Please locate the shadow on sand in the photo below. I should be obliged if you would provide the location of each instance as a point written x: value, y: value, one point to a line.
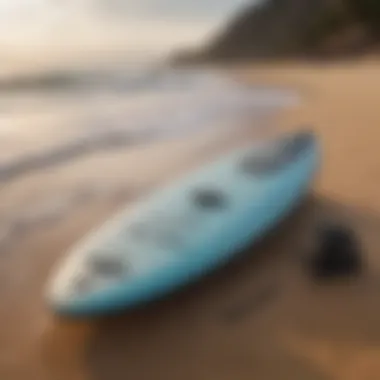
x: 259, y: 317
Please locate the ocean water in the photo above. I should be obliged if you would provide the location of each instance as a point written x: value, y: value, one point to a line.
x: 54, y: 109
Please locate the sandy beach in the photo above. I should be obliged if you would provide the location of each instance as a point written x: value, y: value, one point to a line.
x: 259, y: 318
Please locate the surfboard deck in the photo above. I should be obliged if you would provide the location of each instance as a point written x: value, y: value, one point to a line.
x: 187, y: 229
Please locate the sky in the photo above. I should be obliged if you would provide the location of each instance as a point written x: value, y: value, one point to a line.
x: 62, y: 28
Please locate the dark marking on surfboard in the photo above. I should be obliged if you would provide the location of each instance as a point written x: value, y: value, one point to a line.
x: 209, y: 199
x: 298, y: 144
x: 235, y: 313
x: 108, y: 266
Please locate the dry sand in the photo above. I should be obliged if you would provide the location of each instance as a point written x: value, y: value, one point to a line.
x: 260, y: 318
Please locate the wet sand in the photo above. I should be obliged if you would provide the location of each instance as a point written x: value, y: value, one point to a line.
x: 260, y: 317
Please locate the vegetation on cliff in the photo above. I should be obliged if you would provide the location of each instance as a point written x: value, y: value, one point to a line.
x: 286, y: 28
x: 368, y: 12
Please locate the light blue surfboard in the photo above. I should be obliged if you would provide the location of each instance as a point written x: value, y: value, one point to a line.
x: 186, y: 229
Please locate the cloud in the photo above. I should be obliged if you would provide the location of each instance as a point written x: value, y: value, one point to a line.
x: 174, y: 9
x: 62, y: 28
